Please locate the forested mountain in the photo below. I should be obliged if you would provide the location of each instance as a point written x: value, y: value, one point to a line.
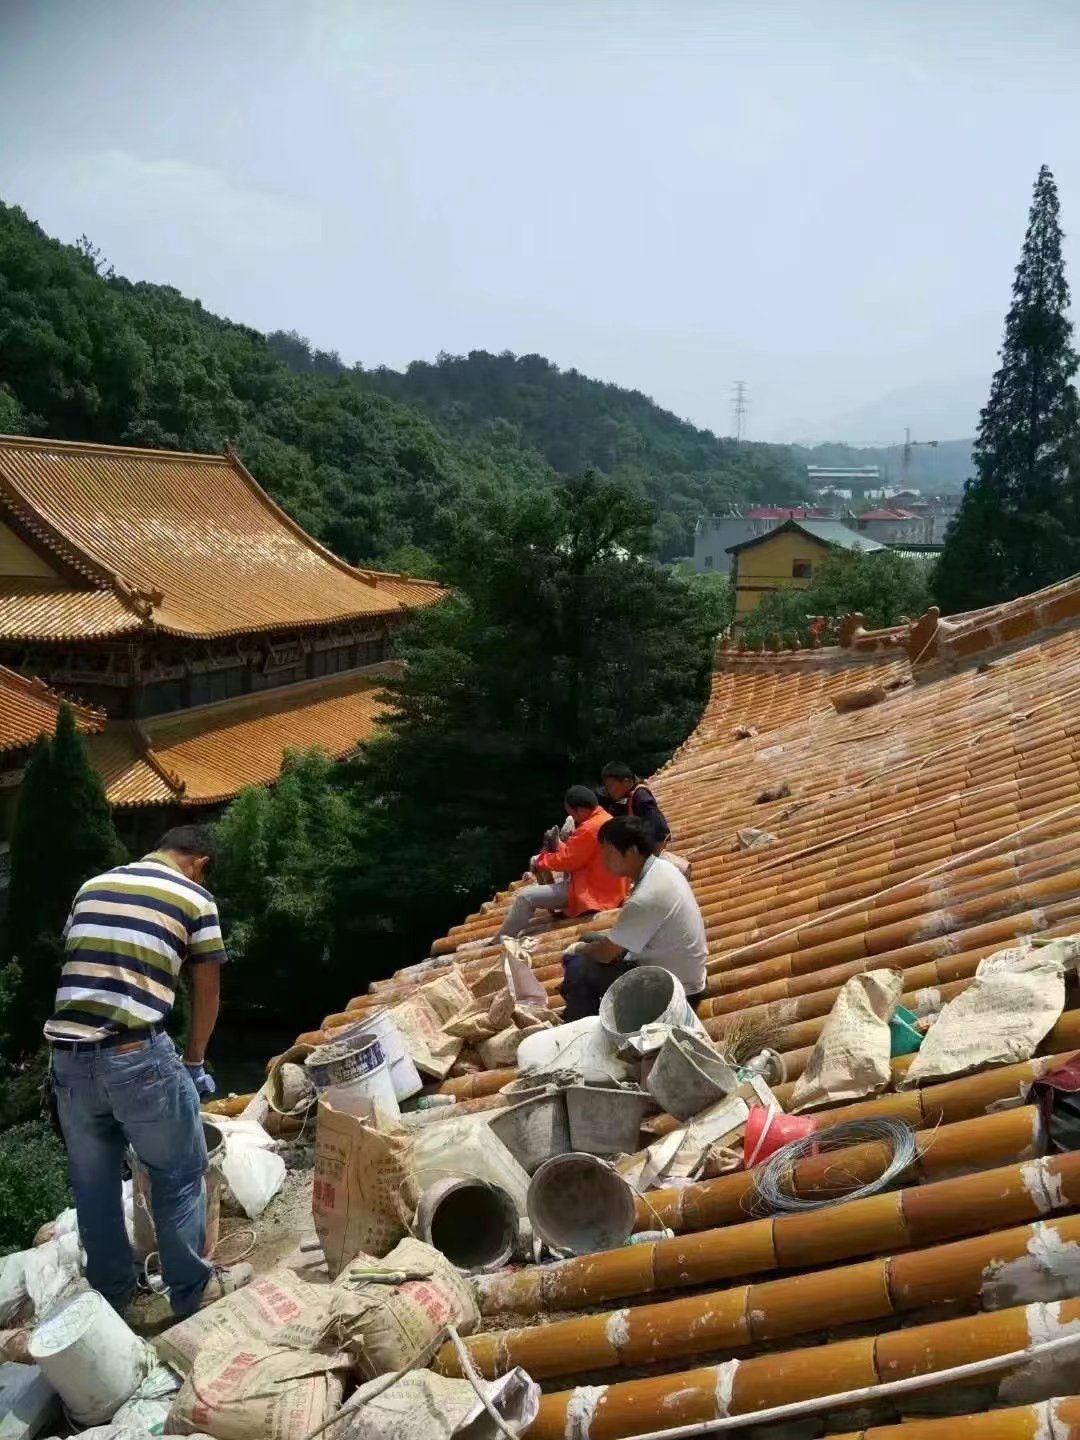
x: 86, y: 355
x: 577, y: 423
x: 365, y: 460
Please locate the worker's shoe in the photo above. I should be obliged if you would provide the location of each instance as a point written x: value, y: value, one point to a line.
x: 226, y: 1282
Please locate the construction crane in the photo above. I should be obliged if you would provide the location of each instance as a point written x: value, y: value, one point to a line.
x: 905, y: 460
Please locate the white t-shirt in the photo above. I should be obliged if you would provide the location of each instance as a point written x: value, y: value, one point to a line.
x: 661, y: 924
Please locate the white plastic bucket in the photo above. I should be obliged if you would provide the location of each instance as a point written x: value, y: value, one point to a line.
x: 403, y: 1072
x: 90, y: 1357
x: 344, y: 1060
x: 376, y: 1085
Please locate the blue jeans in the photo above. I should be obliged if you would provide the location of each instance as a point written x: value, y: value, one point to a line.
x: 586, y: 982
x: 143, y: 1097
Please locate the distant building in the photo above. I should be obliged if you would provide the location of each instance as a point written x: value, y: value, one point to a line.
x: 895, y: 525
x: 715, y: 535
x: 853, y: 482
x: 786, y: 559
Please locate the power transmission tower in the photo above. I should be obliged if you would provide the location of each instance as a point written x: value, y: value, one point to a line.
x: 739, y: 407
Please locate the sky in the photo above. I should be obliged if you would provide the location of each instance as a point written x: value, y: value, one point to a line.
x: 823, y: 199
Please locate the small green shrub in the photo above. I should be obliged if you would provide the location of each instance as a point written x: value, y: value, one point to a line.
x: 33, y: 1182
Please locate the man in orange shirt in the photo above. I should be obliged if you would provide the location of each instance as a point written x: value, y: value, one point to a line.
x: 588, y: 887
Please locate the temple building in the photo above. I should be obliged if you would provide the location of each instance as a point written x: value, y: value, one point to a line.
x: 197, y: 629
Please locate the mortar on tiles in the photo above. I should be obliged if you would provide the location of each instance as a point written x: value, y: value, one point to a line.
x: 1049, y: 1271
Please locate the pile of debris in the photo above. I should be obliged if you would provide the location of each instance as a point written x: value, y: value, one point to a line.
x: 428, y: 1213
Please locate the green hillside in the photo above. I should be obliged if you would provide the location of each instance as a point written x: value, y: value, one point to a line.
x: 368, y: 461
x: 576, y: 423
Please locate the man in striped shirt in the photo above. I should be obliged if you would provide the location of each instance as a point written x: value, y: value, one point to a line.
x: 117, y: 1076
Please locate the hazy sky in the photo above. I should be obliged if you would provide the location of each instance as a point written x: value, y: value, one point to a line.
x: 823, y: 198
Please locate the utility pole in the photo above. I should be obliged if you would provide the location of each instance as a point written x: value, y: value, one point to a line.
x: 739, y: 407
x: 905, y: 459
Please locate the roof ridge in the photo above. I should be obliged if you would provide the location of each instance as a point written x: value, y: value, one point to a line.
x: 55, y: 539
x: 45, y: 443
x: 34, y: 685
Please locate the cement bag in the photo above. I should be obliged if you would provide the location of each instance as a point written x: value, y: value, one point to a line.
x: 1002, y: 1017
x: 851, y: 1057
x: 482, y: 1018
x: 364, y: 1195
x: 279, y: 1309
x: 13, y: 1292
x: 385, y: 1327
x: 421, y: 1018
x: 426, y: 1406
x: 465, y: 1145
x: 255, y: 1392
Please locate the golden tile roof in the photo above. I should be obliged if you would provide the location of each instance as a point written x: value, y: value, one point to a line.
x: 921, y: 832
x: 28, y: 708
x: 206, y: 755
x: 181, y: 543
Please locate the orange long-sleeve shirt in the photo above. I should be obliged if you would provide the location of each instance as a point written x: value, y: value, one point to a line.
x: 592, y: 887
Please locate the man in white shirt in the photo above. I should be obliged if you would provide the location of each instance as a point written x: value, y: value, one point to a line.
x: 659, y: 924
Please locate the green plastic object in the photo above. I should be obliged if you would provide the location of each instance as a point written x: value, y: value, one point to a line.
x: 905, y: 1038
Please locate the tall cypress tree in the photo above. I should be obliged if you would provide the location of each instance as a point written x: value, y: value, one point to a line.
x: 1019, y: 523
x: 63, y: 835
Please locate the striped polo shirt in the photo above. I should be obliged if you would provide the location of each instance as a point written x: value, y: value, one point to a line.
x: 129, y: 932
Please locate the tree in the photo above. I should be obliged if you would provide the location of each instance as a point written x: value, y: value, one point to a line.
x: 561, y: 648
x: 1018, y: 527
x: 63, y: 835
x: 280, y: 850
x: 881, y: 585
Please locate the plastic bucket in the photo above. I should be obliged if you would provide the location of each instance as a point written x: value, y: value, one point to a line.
x: 646, y: 995
x: 606, y: 1121
x: 769, y: 1130
x: 377, y: 1086
x: 143, y: 1219
x: 90, y: 1357
x: 403, y: 1072
x: 689, y: 1075
x: 343, y: 1061
x: 535, y: 1130
x: 580, y: 1204
x: 474, y: 1224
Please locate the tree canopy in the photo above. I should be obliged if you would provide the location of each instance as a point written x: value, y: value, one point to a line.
x: 63, y: 835
x: 881, y: 585
x: 1019, y: 523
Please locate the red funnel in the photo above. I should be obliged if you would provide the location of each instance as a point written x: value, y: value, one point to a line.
x: 768, y: 1130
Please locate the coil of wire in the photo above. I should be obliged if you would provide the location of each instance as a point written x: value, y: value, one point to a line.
x: 775, y: 1181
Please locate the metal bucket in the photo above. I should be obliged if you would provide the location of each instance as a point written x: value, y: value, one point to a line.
x: 606, y: 1121
x: 580, y: 1205
x: 535, y: 1130
x: 646, y: 995
x: 689, y: 1075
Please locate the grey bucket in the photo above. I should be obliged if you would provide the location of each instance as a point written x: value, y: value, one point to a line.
x: 472, y: 1223
x: 689, y: 1075
x: 535, y: 1130
x: 606, y: 1121
x: 580, y: 1204
x: 646, y: 995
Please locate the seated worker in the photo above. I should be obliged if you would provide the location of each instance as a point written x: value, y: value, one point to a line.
x: 626, y: 795
x: 660, y: 924
x: 589, y: 884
